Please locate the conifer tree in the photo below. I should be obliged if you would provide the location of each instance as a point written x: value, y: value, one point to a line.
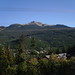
x: 21, y: 57
x: 32, y: 43
x: 3, y: 61
x: 10, y: 57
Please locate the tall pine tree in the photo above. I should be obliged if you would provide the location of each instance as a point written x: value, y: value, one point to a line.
x: 21, y: 57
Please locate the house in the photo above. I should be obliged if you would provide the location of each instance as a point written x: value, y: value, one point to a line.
x: 47, y: 56
x: 62, y: 55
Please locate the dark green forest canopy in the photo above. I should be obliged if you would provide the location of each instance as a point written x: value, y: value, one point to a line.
x: 58, y: 36
x: 19, y: 49
x: 22, y: 64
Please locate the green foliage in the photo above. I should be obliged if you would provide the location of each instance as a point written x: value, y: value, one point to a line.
x: 22, y: 68
x: 32, y: 43
x: 71, y: 51
x: 55, y: 37
x: 34, y: 61
x: 3, y: 61
x: 34, y: 66
x: 11, y: 70
x: 10, y: 57
x: 24, y: 63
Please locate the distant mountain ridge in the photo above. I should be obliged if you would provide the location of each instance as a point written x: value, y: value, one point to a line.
x: 36, y: 25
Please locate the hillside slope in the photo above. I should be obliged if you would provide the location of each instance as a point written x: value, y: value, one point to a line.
x: 56, y: 35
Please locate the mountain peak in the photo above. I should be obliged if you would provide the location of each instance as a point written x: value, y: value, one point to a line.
x: 37, y: 23
x: 33, y: 21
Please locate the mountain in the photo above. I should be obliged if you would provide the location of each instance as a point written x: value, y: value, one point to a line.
x: 35, y: 25
x: 31, y: 25
x: 55, y: 35
x: 2, y: 27
x: 14, y: 26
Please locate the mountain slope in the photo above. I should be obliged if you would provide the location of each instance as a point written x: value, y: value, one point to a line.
x: 35, y: 25
x: 56, y: 35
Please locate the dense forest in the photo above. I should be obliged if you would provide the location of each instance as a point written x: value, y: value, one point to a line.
x: 54, y: 35
x: 24, y: 61
x: 31, y: 49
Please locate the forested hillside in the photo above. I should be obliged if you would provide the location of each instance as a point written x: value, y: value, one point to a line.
x: 37, y: 49
x: 55, y: 35
x: 23, y: 62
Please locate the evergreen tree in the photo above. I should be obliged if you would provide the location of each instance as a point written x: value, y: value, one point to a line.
x: 3, y: 61
x: 33, y: 43
x: 21, y: 54
x: 22, y: 43
x: 21, y: 57
x: 10, y: 57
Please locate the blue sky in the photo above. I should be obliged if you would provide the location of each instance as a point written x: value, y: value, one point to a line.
x: 45, y: 11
